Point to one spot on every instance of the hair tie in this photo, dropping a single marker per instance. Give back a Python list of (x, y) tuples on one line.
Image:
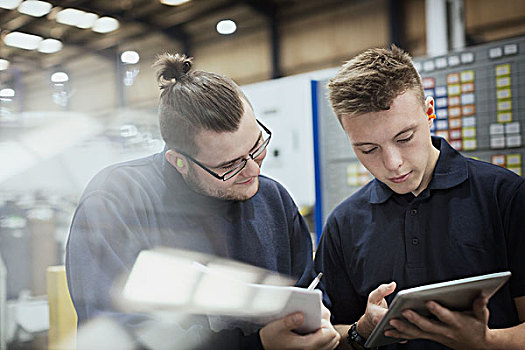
[(186, 67), (173, 80)]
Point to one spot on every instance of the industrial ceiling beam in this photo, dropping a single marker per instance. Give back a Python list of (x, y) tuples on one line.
[(269, 9)]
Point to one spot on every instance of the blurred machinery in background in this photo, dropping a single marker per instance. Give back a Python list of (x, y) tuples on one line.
[(37, 202), (33, 229)]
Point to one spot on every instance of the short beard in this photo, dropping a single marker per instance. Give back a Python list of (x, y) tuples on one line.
[(192, 180)]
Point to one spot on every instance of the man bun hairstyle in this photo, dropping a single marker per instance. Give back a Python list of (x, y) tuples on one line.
[(171, 68), (372, 80), (192, 101)]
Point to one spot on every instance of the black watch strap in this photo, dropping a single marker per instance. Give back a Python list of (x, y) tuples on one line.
[(355, 339)]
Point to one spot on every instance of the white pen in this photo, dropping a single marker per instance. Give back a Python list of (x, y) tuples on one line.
[(315, 282)]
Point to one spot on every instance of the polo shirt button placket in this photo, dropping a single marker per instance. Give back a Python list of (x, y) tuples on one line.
[(413, 212), (413, 241)]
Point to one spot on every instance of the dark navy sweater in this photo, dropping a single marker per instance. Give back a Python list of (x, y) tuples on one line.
[(145, 203)]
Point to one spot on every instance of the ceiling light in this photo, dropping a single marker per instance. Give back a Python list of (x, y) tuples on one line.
[(22, 40), (105, 25), (69, 16), (226, 26), (173, 2), (50, 46), (9, 4), (35, 8), (59, 77), (7, 92), (87, 20), (130, 57), (4, 64)]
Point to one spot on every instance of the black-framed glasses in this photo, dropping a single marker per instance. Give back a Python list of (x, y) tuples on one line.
[(237, 167)]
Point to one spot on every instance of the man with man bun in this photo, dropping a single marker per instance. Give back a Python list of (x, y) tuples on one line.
[(203, 193)]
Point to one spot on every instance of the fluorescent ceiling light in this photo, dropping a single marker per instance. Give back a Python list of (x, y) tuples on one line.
[(105, 25), (226, 26), (9, 4), (4, 64), (59, 77), (22, 40), (130, 57), (35, 8), (7, 93), (173, 2), (70, 17), (50, 46), (76, 18), (87, 20)]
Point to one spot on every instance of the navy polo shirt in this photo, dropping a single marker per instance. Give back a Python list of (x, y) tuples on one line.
[(468, 221)]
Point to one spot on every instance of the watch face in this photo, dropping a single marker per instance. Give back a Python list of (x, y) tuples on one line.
[(354, 337), (354, 334)]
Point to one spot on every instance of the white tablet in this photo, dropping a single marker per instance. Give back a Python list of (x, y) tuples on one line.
[(456, 295)]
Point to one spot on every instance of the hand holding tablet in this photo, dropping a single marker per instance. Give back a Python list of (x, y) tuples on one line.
[(457, 295)]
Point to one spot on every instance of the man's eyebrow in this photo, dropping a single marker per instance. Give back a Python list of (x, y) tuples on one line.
[(410, 128), (407, 129), (357, 144), (239, 158)]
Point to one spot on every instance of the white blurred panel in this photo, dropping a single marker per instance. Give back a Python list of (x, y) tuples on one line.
[(285, 106)]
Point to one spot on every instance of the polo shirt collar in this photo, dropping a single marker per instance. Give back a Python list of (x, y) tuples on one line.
[(379, 192), (450, 171), (451, 167)]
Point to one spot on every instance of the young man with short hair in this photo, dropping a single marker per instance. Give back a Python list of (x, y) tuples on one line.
[(430, 215)]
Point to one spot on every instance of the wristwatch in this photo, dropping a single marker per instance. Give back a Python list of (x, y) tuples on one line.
[(355, 340)]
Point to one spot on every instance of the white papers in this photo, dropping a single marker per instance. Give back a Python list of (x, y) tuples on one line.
[(195, 283), (309, 302)]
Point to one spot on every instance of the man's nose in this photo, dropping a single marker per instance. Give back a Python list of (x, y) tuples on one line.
[(251, 168), (392, 158)]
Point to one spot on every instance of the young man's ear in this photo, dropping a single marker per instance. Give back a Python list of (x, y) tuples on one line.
[(177, 160), (430, 109)]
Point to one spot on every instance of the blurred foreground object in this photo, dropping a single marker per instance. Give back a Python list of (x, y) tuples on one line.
[(103, 334), (62, 315), (195, 283), (191, 282)]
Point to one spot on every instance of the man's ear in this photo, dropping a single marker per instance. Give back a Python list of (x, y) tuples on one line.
[(177, 160), (430, 109)]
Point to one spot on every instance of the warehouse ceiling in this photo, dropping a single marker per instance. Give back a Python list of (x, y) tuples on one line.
[(189, 24)]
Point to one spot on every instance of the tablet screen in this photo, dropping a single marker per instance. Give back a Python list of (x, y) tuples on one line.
[(457, 295)]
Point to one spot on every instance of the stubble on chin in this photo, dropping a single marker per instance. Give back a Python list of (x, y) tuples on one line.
[(192, 181), (246, 197), (232, 196)]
